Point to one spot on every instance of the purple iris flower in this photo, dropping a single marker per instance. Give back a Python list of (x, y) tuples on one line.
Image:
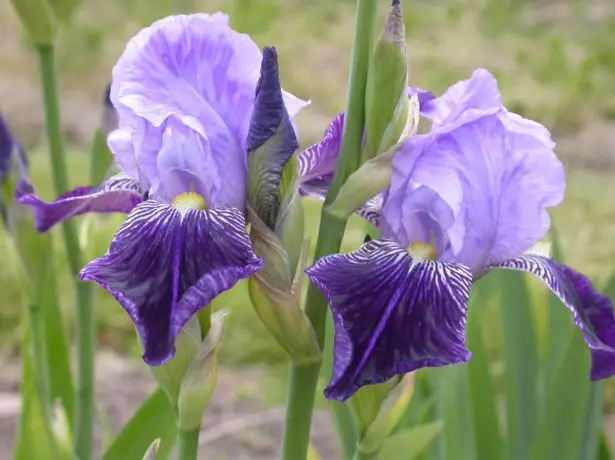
[(468, 197), (12, 157), (185, 91)]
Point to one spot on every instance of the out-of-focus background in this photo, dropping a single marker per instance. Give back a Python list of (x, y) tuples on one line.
[(554, 59)]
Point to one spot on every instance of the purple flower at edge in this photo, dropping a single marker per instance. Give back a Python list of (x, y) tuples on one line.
[(469, 197), (12, 158), (184, 90)]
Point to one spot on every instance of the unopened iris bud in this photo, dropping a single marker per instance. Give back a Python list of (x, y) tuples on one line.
[(189, 378), (199, 382), (38, 19), (386, 100), (276, 217), (379, 408)]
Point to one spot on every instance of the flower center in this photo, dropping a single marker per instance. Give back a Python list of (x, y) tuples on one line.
[(189, 201), (422, 251)]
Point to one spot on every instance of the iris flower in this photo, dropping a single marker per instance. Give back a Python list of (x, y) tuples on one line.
[(184, 90), (12, 158), (466, 198)]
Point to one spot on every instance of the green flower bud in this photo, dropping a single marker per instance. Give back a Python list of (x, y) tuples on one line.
[(169, 376), (199, 381), (386, 98), (275, 291), (379, 408), (374, 175), (275, 214), (38, 19)]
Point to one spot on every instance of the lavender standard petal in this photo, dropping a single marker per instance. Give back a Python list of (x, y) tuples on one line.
[(392, 314), (197, 71), (591, 310), (464, 102), (164, 265), (497, 183), (117, 194)]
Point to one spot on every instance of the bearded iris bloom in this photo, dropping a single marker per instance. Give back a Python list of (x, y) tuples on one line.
[(184, 90), (466, 198)]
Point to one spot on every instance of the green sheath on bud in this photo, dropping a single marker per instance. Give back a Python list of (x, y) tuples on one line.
[(38, 19), (199, 381), (169, 376), (379, 408), (386, 98), (275, 291)]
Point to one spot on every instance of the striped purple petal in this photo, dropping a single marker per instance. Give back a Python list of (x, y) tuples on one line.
[(165, 264), (370, 211), (317, 162), (118, 194), (591, 310), (392, 314)]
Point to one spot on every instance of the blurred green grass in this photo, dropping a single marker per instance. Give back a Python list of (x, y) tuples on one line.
[(553, 59)]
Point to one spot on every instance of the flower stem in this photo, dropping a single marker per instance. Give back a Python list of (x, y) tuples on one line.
[(304, 378), (188, 444), (85, 326)]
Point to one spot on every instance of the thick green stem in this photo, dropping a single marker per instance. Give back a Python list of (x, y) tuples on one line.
[(304, 379), (188, 444), (85, 327)]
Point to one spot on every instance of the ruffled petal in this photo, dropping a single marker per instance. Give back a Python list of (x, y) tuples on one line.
[(195, 70), (164, 265), (591, 310), (392, 314), (464, 102), (117, 194), (497, 183)]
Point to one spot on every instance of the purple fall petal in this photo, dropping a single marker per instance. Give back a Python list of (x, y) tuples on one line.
[(164, 265), (117, 194), (591, 310), (392, 314)]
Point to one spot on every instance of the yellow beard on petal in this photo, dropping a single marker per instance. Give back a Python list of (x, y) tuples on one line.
[(189, 201), (422, 251)]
